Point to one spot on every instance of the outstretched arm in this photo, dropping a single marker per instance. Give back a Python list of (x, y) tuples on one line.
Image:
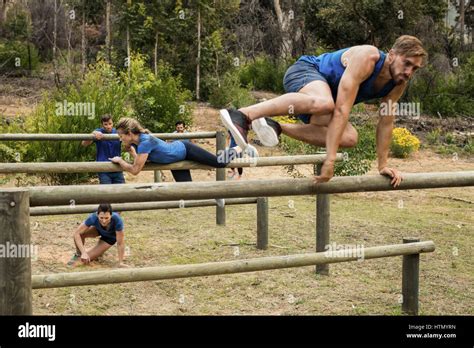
[(384, 133)]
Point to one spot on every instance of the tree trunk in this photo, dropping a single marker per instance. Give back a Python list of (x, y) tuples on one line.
[(83, 40), (461, 22), (198, 65), (155, 53), (108, 33), (217, 70), (29, 57), (55, 35), (286, 44), (129, 3), (68, 31), (3, 12)]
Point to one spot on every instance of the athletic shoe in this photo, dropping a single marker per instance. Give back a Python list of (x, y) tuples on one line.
[(274, 124), (237, 124), (267, 131)]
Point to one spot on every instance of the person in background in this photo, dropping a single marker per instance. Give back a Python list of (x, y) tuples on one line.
[(180, 127), (106, 149)]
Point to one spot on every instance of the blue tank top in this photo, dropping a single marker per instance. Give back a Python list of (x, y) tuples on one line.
[(330, 66)]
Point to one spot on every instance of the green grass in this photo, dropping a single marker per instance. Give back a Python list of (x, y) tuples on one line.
[(191, 236)]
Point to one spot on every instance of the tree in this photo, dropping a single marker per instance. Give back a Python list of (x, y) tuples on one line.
[(342, 23)]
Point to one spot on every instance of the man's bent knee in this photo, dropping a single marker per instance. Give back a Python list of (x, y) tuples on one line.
[(320, 106), (350, 139)]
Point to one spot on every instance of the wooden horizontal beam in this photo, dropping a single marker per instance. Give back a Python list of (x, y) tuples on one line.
[(92, 194), (105, 167), (226, 267), (89, 208), (79, 137)]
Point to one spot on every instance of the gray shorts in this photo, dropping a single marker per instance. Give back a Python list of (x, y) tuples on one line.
[(299, 75)]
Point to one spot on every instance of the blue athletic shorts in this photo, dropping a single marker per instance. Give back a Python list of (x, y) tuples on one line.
[(299, 75)]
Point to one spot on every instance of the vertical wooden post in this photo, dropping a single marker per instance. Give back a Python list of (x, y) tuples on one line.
[(262, 223), (410, 280), (220, 175), (157, 176), (322, 225), (15, 269)]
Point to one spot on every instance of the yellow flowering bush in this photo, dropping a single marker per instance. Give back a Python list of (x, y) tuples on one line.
[(285, 119), (403, 143)]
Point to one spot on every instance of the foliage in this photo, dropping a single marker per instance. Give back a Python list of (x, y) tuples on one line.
[(356, 161), (403, 143), (157, 101), (16, 58), (264, 74), (228, 93)]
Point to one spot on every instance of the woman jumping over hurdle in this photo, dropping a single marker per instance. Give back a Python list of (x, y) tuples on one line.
[(145, 147)]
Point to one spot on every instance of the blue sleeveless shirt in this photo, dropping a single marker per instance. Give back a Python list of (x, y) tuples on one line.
[(330, 66)]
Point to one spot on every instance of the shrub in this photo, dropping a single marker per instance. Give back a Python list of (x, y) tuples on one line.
[(16, 58), (11, 151), (158, 101), (264, 74), (357, 160), (403, 143), (229, 94), (445, 93), (104, 93), (433, 137)]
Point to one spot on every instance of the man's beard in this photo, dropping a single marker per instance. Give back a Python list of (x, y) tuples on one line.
[(398, 81)]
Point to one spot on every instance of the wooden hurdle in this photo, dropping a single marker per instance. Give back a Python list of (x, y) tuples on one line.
[(15, 206), (18, 282), (410, 251), (98, 167)]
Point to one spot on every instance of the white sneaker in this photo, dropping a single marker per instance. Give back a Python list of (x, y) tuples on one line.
[(265, 133)]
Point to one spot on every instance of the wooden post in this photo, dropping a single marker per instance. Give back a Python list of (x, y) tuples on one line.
[(262, 223), (322, 225), (157, 176), (15, 270), (410, 280), (220, 175)]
